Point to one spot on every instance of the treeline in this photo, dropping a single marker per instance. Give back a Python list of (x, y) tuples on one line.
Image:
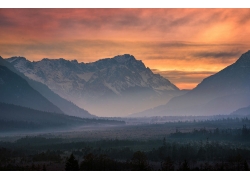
[(102, 162), (37, 143), (229, 134), (11, 126), (30, 154), (16, 118), (229, 122), (19, 160), (171, 157)]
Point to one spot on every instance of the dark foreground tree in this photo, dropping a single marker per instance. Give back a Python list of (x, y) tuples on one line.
[(88, 164), (44, 167), (184, 166), (101, 162), (139, 161), (167, 164), (71, 164), (246, 168)]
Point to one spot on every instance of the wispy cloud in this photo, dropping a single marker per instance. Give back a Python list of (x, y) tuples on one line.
[(165, 39), (220, 55), (184, 79)]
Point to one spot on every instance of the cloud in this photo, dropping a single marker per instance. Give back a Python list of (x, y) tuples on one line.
[(218, 55), (188, 40), (184, 79)]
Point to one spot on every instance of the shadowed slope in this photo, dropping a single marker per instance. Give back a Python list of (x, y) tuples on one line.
[(220, 93)]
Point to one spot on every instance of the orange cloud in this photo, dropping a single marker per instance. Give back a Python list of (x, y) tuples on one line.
[(165, 39)]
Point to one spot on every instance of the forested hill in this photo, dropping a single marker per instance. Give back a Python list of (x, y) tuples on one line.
[(16, 118), (16, 90)]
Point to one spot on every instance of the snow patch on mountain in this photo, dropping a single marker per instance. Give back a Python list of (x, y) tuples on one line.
[(88, 83)]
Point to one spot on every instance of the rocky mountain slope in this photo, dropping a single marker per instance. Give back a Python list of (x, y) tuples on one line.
[(115, 86), (65, 106)]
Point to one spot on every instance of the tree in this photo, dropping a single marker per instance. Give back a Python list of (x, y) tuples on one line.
[(139, 161), (246, 168), (164, 142), (71, 164), (167, 164), (184, 166), (98, 163), (88, 163), (245, 131), (44, 167)]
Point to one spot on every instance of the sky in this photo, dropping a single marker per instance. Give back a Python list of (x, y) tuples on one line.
[(183, 45)]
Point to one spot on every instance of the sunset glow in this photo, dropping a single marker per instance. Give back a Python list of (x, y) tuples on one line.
[(183, 45)]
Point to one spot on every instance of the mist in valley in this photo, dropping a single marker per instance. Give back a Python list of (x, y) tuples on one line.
[(175, 143)]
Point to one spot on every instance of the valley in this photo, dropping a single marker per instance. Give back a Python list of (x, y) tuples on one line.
[(218, 144)]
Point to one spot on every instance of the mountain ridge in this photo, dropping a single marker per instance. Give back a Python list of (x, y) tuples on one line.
[(15, 90), (19, 119), (67, 107), (231, 85), (107, 81), (245, 111)]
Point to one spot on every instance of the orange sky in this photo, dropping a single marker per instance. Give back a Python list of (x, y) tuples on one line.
[(183, 45)]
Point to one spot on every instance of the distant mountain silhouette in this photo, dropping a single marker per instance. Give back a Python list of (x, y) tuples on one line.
[(221, 93), (65, 106), (242, 111), (15, 90), (15, 118), (115, 86)]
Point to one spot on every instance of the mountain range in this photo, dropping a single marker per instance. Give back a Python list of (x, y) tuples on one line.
[(28, 106), (221, 93), (116, 86), (13, 93), (242, 111), (120, 86), (15, 90)]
